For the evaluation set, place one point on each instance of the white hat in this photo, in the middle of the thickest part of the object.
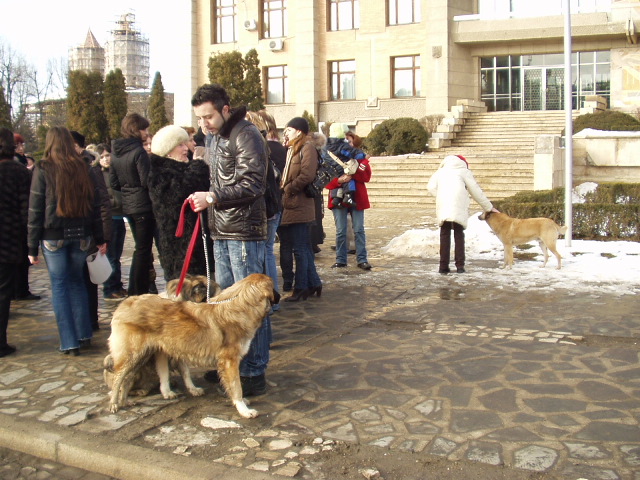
(168, 138)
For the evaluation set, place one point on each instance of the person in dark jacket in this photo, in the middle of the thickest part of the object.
(128, 175)
(64, 214)
(237, 159)
(299, 209)
(15, 180)
(91, 159)
(113, 289)
(21, 290)
(172, 178)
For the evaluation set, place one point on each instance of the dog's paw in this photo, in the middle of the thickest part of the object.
(139, 393)
(244, 411)
(196, 391)
(113, 407)
(170, 395)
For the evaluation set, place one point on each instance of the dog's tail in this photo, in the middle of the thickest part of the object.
(562, 229)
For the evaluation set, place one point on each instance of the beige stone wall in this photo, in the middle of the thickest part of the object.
(449, 50)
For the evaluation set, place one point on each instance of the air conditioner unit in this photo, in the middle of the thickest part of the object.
(250, 25)
(276, 44)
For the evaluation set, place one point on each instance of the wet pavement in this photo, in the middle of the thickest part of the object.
(399, 360)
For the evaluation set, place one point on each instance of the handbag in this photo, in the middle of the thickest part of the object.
(328, 169)
(99, 268)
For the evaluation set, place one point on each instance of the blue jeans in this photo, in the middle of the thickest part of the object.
(306, 275)
(236, 260)
(114, 252)
(66, 260)
(357, 221)
(270, 257)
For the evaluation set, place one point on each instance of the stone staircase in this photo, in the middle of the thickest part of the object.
(499, 147)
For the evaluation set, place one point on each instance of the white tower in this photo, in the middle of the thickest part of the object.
(128, 50)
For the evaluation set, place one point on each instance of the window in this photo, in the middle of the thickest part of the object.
(407, 76)
(344, 15)
(402, 12)
(277, 84)
(343, 79)
(225, 21)
(274, 18)
(527, 8)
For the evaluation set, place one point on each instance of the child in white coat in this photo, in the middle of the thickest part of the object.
(452, 184)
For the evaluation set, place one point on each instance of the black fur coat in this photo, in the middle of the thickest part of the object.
(170, 183)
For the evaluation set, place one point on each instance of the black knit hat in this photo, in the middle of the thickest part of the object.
(78, 138)
(299, 123)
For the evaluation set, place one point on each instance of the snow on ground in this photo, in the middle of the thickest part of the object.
(587, 266)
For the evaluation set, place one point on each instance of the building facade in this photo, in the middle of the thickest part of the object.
(361, 63)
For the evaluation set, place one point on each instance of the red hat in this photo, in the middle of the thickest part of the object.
(463, 159)
(17, 138)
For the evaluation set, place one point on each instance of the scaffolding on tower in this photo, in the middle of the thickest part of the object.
(128, 50)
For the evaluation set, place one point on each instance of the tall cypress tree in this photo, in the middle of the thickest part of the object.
(85, 105)
(115, 102)
(157, 111)
(5, 110)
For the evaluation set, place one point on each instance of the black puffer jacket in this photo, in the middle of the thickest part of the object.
(170, 183)
(128, 174)
(15, 180)
(44, 224)
(238, 175)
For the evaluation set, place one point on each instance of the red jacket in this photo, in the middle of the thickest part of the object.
(362, 176)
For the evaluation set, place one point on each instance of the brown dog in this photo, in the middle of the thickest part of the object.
(515, 231)
(145, 379)
(204, 334)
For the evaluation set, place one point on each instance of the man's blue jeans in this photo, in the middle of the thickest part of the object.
(270, 257)
(66, 260)
(114, 252)
(236, 260)
(357, 221)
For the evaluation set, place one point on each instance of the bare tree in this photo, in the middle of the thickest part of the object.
(15, 77)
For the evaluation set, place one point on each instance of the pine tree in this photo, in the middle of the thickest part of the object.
(313, 126)
(85, 105)
(5, 110)
(157, 112)
(115, 102)
(240, 77)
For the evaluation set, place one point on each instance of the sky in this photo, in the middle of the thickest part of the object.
(590, 267)
(41, 30)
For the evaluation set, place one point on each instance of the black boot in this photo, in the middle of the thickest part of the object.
(298, 294)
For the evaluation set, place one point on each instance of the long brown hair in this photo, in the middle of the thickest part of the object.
(71, 182)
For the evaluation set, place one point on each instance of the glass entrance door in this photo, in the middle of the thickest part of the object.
(543, 88)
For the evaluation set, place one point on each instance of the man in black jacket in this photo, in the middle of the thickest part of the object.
(238, 159)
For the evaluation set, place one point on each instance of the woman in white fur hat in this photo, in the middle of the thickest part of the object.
(452, 184)
(172, 178)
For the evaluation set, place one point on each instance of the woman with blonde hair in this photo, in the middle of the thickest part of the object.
(64, 218)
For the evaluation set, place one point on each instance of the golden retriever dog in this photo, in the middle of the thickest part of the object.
(204, 334)
(516, 231)
(145, 379)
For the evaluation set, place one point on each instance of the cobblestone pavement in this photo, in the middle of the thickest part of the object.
(399, 360)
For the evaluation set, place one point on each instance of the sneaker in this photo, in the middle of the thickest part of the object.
(460, 270)
(287, 286)
(338, 265)
(444, 271)
(364, 266)
(7, 350)
(114, 296)
(29, 296)
(253, 386)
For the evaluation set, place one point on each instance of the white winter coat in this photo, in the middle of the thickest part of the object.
(451, 185)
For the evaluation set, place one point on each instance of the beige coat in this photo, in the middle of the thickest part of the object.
(300, 171)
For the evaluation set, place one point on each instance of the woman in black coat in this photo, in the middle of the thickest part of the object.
(172, 178)
(14, 204)
(128, 175)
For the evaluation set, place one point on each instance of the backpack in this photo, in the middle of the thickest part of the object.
(328, 169)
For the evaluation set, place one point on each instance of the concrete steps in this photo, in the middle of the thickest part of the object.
(499, 147)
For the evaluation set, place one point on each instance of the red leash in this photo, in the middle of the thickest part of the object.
(192, 243)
